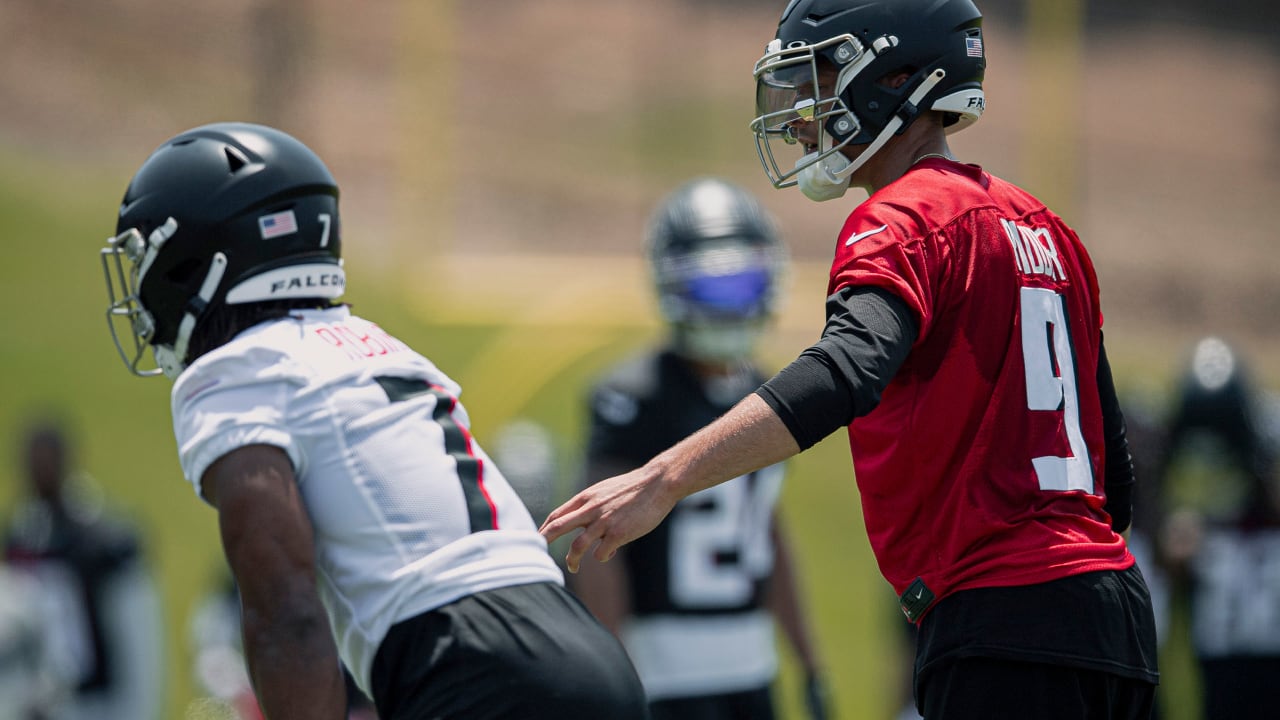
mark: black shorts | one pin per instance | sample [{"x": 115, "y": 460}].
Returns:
[
  {"x": 1060, "y": 633},
  {"x": 746, "y": 705},
  {"x": 530, "y": 652},
  {"x": 1241, "y": 686},
  {"x": 981, "y": 688}
]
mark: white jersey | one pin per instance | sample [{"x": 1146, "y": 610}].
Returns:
[{"x": 409, "y": 512}]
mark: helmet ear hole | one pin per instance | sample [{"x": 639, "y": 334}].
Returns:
[
  {"x": 235, "y": 159},
  {"x": 182, "y": 272}
]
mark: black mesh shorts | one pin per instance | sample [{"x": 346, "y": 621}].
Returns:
[
  {"x": 531, "y": 652},
  {"x": 981, "y": 688}
]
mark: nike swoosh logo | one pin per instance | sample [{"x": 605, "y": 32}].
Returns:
[{"x": 861, "y": 235}]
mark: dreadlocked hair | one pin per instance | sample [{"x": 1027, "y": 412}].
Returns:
[{"x": 224, "y": 322}]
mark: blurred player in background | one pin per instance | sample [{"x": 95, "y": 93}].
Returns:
[
  {"x": 360, "y": 518},
  {"x": 963, "y": 350},
  {"x": 30, "y": 686},
  {"x": 695, "y": 601},
  {"x": 100, "y": 611},
  {"x": 217, "y": 652},
  {"x": 1222, "y": 538}
]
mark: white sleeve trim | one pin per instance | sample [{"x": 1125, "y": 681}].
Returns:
[{"x": 201, "y": 457}]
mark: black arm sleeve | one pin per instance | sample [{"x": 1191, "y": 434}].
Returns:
[
  {"x": 1119, "y": 464},
  {"x": 868, "y": 335}
]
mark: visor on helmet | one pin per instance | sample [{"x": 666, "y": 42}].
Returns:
[{"x": 729, "y": 282}]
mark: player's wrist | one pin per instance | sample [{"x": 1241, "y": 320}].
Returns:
[{"x": 665, "y": 479}]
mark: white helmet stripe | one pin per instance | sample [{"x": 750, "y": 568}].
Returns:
[{"x": 305, "y": 280}]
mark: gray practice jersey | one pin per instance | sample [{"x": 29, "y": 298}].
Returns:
[{"x": 409, "y": 512}]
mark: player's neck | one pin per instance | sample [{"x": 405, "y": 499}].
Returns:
[{"x": 922, "y": 141}]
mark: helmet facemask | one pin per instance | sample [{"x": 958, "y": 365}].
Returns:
[
  {"x": 126, "y": 318},
  {"x": 801, "y": 96},
  {"x": 790, "y": 87},
  {"x": 125, "y": 262}
]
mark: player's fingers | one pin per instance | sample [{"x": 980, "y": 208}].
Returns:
[
  {"x": 606, "y": 549},
  {"x": 579, "y": 547},
  {"x": 559, "y": 524},
  {"x": 559, "y": 521}
]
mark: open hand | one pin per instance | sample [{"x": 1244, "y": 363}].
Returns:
[{"x": 611, "y": 513}]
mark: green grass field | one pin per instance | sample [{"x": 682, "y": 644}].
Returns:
[{"x": 56, "y": 355}]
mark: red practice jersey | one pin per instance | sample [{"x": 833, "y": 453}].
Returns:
[{"x": 983, "y": 464}]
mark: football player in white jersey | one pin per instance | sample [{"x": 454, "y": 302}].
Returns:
[{"x": 361, "y": 519}]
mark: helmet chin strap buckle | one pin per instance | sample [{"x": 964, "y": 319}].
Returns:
[
  {"x": 883, "y": 43},
  {"x": 908, "y": 111}
]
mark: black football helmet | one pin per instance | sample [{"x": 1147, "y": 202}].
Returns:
[
  {"x": 856, "y": 43},
  {"x": 222, "y": 214},
  {"x": 717, "y": 263},
  {"x": 1218, "y": 457}
]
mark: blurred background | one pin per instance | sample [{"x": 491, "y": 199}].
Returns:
[{"x": 498, "y": 161}]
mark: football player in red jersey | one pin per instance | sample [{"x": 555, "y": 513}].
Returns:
[{"x": 963, "y": 351}]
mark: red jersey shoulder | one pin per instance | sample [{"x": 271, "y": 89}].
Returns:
[
  {"x": 888, "y": 230},
  {"x": 918, "y": 203}
]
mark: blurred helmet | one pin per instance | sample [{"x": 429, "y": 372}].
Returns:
[
  {"x": 1217, "y": 456},
  {"x": 1217, "y": 394},
  {"x": 223, "y": 214},
  {"x": 853, "y": 44},
  {"x": 717, "y": 263}
]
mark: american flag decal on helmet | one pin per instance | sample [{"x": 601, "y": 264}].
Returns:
[
  {"x": 277, "y": 224},
  {"x": 973, "y": 46}
]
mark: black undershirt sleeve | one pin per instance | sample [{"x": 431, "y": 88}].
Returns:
[
  {"x": 868, "y": 335},
  {"x": 1119, "y": 464}
]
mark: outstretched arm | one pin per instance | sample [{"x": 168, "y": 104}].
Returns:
[
  {"x": 868, "y": 335},
  {"x": 268, "y": 541},
  {"x": 620, "y": 509}
]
